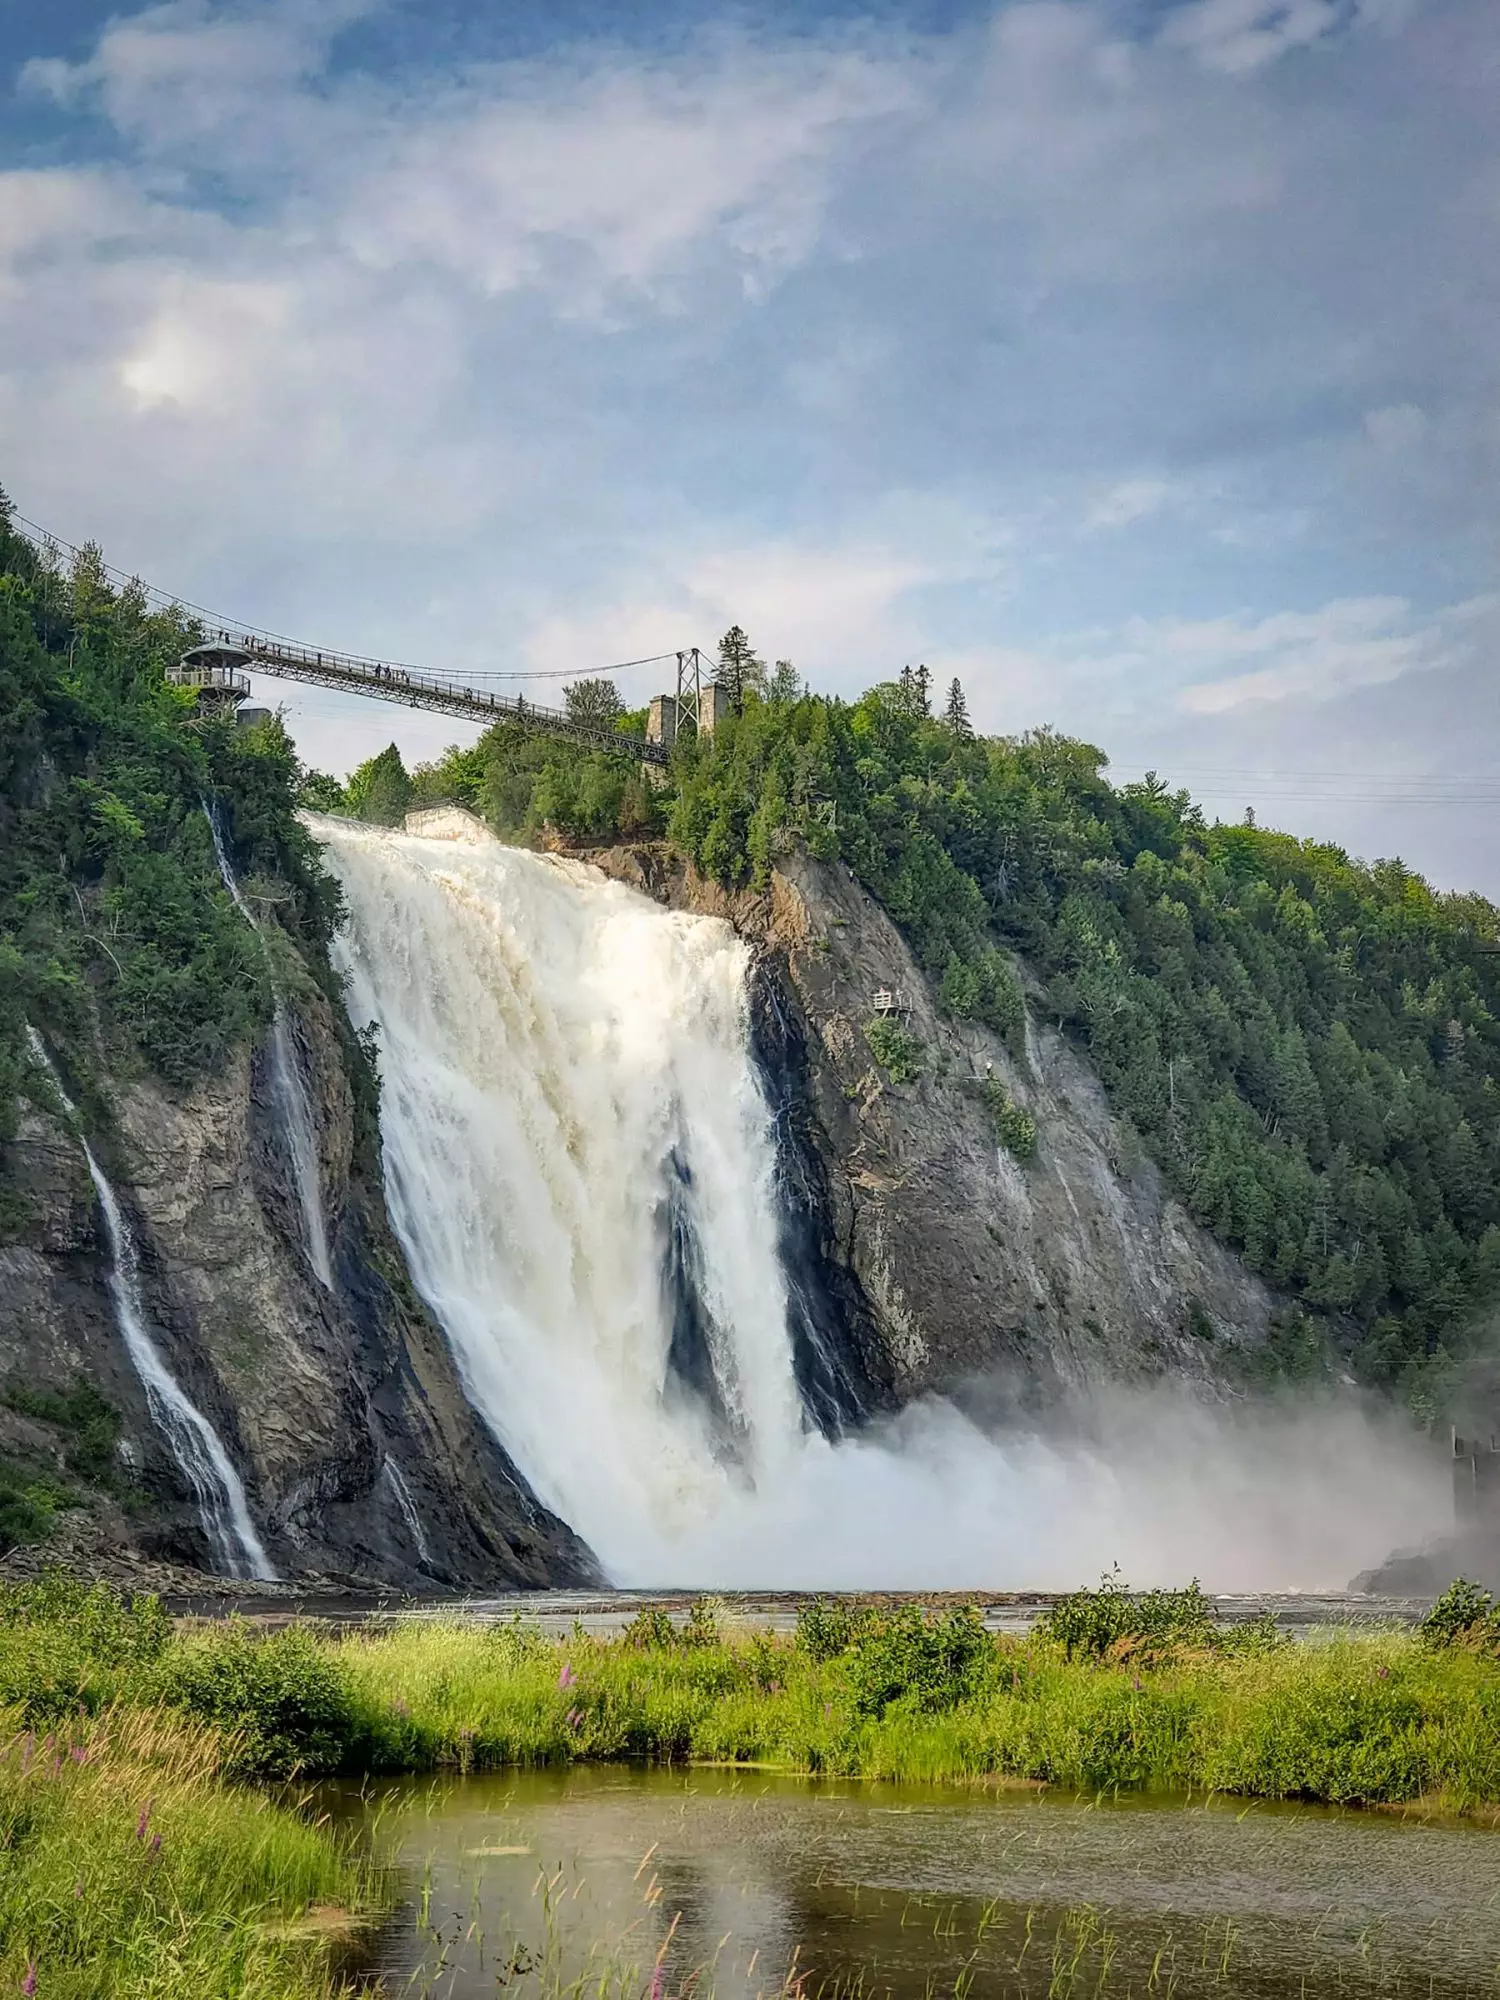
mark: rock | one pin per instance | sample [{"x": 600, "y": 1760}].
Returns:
[
  {"x": 312, "y": 1391},
  {"x": 960, "y": 1266}
]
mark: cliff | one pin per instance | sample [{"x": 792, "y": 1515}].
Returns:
[
  {"x": 343, "y": 1410},
  {"x": 953, "y": 1265}
]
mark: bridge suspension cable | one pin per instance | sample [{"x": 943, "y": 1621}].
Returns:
[{"x": 235, "y": 647}]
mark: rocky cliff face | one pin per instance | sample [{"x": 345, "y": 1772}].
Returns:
[
  {"x": 361, "y": 1457},
  {"x": 951, "y": 1264}
]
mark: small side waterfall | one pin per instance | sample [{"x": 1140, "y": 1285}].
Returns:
[
  {"x": 395, "y": 1478},
  {"x": 190, "y": 1437},
  {"x": 288, "y": 1088}
]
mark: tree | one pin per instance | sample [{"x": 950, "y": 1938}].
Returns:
[
  {"x": 956, "y": 715},
  {"x": 784, "y": 686},
  {"x": 318, "y": 792},
  {"x": 739, "y": 672},
  {"x": 594, "y": 703},
  {"x": 380, "y": 790},
  {"x": 916, "y": 690}
]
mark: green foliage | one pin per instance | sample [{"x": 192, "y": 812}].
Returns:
[
  {"x": 282, "y": 1695},
  {"x": 1308, "y": 1045},
  {"x": 66, "y": 1644},
  {"x": 89, "y": 1422},
  {"x": 1014, "y": 1127},
  {"x": 654, "y": 1630},
  {"x": 117, "y": 938},
  {"x": 1093, "y": 1623},
  {"x": 134, "y": 1872},
  {"x": 927, "y": 1662},
  {"x": 899, "y": 1052},
  {"x": 29, "y": 1504},
  {"x": 1465, "y": 1615},
  {"x": 826, "y": 1629},
  {"x": 380, "y": 789}
]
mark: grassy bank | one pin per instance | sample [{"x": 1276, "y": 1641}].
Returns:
[
  {"x": 136, "y": 1863},
  {"x": 1110, "y": 1692}
]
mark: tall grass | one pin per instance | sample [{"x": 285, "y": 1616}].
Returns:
[{"x": 133, "y": 1869}]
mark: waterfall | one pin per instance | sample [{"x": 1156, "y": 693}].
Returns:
[
  {"x": 395, "y": 1478},
  {"x": 580, "y": 1167},
  {"x": 580, "y": 1170},
  {"x": 192, "y": 1440},
  {"x": 288, "y": 1089}
]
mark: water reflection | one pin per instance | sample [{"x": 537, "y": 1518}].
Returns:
[{"x": 743, "y": 1885}]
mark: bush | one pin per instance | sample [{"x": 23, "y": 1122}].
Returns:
[
  {"x": 1015, "y": 1128},
  {"x": 66, "y": 1644},
  {"x": 824, "y": 1630},
  {"x": 1465, "y": 1615},
  {"x": 284, "y": 1696},
  {"x": 1111, "y": 1621},
  {"x": 898, "y": 1051},
  {"x": 652, "y": 1629},
  {"x": 925, "y": 1663}
]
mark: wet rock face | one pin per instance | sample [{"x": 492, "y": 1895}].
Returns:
[
  {"x": 315, "y": 1393},
  {"x": 942, "y": 1261}
]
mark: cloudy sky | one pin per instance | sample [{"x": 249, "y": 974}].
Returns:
[{"x": 1135, "y": 360}]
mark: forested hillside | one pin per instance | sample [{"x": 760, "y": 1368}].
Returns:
[
  {"x": 1307, "y": 1044},
  {"x": 116, "y": 935}
]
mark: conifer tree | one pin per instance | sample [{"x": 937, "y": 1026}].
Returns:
[
  {"x": 739, "y": 672},
  {"x": 956, "y": 715}
]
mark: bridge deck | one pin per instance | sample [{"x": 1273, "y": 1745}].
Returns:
[{"x": 415, "y": 689}]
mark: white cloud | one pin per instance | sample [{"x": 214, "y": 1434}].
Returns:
[
  {"x": 1130, "y": 501},
  {"x": 887, "y": 344},
  {"x": 1313, "y": 656},
  {"x": 1240, "y": 36}
]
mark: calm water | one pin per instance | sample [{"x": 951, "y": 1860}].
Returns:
[{"x": 542, "y": 1884}]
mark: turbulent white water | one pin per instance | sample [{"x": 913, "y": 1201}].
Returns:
[
  {"x": 288, "y": 1088},
  {"x": 192, "y": 1440},
  {"x": 569, "y": 1112}
]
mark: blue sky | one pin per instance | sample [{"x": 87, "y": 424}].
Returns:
[{"x": 1134, "y": 362}]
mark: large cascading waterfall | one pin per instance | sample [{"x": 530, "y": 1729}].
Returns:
[
  {"x": 288, "y": 1088},
  {"x": 192, "y": 1440},
  {"x": 580, "y": 1166},
  {"x": 579, "y": 1169}
]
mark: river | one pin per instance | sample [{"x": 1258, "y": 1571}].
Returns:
[{"x": 559, "y": 1883}]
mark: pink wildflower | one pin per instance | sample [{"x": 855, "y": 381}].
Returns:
[
  {"x": 155, "y": 1847},
  {"x": 566, "y": 1678},
  {"x": 28, "y": 1984},
  {"x": 144, "y": 1821},
  {"x": 658, "y": 1983}
]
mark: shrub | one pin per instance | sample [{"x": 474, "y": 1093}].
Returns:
[
  {"x": 824, "y": 1630},
  {"x": 1111, "y": 1620},
  {"x": 1015, "y": 1128},
  {"x": 898, "y": 1051},
  {"x": 284, "y": 1696},
  {"x": 652, "y": 1629},
  {"x": 1465, "y": 1615},
  {"x": 66, "y": 1644},
  {"x": 926, "y": 1663}
]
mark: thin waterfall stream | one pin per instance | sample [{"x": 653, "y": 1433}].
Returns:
[
  {"x": 288, "y": 1086},
  {"x": 192, "y": 1440}
]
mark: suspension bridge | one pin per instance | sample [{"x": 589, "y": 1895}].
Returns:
[{"x": 217, "y": 670}]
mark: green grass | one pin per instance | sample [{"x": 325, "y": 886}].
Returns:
[
  {"x": 134, "y": 1870},
  {"x": 119, "y": 1729}
]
